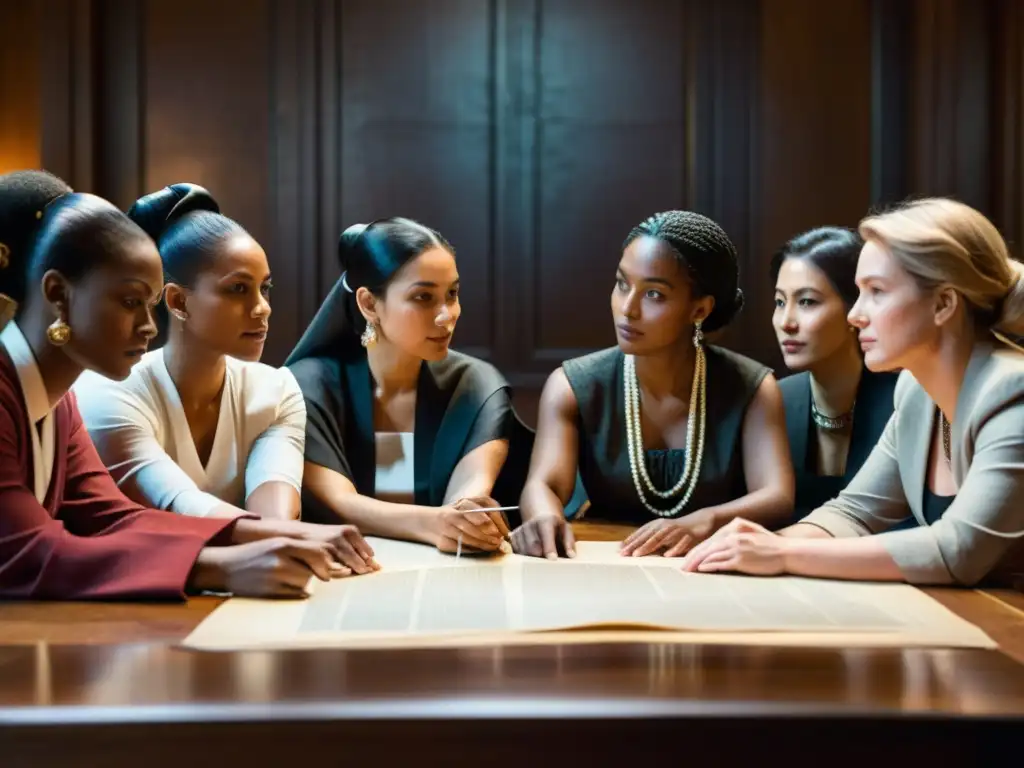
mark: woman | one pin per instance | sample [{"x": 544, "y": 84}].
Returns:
[
  {"x": 404, "y": 438},
  {"x": 661, "y": 426},
  {"x": 200, "y": 427},
  {"x": 84, "y": 277},
  {"x": 935, "y": 281},
  {"x": 835, "y": 409}
]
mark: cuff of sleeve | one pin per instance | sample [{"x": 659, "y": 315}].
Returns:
[
  {"x": 837, "y": 524},
  {"x": 194, "y": 504},
  {"x": 917, "y": 555}
]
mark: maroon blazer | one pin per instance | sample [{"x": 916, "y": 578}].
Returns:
[{"x": 88, "y": 541}]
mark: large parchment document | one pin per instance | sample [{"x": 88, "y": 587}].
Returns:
[{"x": 422, "y": 598}]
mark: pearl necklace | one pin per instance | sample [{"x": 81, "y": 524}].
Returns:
[{"x": 694, "y": 428}]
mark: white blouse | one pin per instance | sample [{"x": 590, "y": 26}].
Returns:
[
  {"x": 395, "y": 478},
  {"x": 37, "y": 406},
  {"x": 142, "y": 435}
]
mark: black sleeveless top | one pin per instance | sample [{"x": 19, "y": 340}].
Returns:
[{"x": 597, "y": 381}]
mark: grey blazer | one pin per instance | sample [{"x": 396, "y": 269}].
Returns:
[{"x": 982, "y": 531}]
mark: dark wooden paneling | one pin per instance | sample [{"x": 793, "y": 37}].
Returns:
[
  {"x": 609, "y": 150},
  {"x": 815, "y": 133},
  {"x": 19, "y": 86},
  {"x": 533, "y": 133},
  {"x": 416, "y": 132}
]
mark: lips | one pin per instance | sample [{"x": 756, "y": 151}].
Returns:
[
  {"x": 628, "y": 332},
  {"x": 257, "y": 335},
  {"x": 135, "y": 353},
  {"x": 441, "y": 339},
  {"x": 793, "y": 346}
]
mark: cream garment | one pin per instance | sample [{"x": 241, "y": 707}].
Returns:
[
  {"x": 140, "y": 431},
  {"x": 37, "y": 404},
  {"x": 395, "y": 479}
]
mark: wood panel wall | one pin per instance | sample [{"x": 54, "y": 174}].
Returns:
[{"x": 533, "y": 133}]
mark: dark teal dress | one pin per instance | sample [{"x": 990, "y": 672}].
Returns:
[{"x": 598, "y": 384}]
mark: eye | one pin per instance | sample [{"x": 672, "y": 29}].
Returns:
[
  {"x": 131, "y": 303},
  {"x": 779, "y": 303},
  {"x": 653, "y": 294},
  {"x": 239, "y": 288},
  {"x": 453, "y": 294},
  {"x": 423, "y": 297},
  {"x": 621, "y": 284},
  {"x": 808, "y": 303},
  {"x": 266, "y": 288}
]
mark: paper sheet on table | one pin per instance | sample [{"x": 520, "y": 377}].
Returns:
[{"x": 423, "y": 598}]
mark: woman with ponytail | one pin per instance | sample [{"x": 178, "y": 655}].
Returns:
[
  {"x": 201, "y": 427},
  {"x": 405, "y": 438},
  {"x": 84, "y": 279},
  {"x": 939, "y": 293}
]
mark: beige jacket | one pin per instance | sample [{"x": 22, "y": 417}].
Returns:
[{"x": 982, "y": 531}]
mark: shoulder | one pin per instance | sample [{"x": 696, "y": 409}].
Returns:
[
  {"x": 465, "y": 372},
  {"x": 598, "y": 366},
  {"x": 255, "y": 377},
  {"x": 996, "y": 384},
  {"x": 12, "y": 406},
  {"x": 749, "y": 372},
  {"x": 315, "y": 375},
  {"x": 794, "y": 385},
  {"x": 99, "y": 397}
]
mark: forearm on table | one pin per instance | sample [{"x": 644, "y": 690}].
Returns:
[
  {"x": 768, "y": 507},
  {"x": 374, "y": 517},
  {"x": 539, "y": 500},
  {"x": 863, "y": 558}
]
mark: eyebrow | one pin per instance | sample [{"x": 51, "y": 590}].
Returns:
[
  {"x": 242, "y": 273},
  {"x": 429, "y": 284},
  {"x": 137, "y": 281},
  {"x": 650, "y": 279}
]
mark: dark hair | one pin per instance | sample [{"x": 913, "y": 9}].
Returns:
[
  {"x": 833, "y": 250},
  {"x": 24, "y": 196},
  {"x": 74, "y": 234},
  {"x": 186, "y": 223},
  {"x": 370, "y": 255},
  {"x": 708, "y": 255}
]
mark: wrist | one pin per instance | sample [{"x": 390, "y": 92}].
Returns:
[
  {"x": 793, "y": 551},
  {"x": 207, "y": 574},
  {"x": 424, "y": 523}
]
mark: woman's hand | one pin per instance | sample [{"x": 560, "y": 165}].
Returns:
[
  {"x": 673, "y": 538},
  {"x": 274, "y": 567},
  {"x": 345, "y": 542},
  {"x": 480, "y": 530},
  {"x": 542, "y": 536},
  {"x": 740, "y": 547}
]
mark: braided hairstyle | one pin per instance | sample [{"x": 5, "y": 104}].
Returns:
[{"x": 708, "y": 255}]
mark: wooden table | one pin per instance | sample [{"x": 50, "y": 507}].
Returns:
[{"x": 103, "y": 685}]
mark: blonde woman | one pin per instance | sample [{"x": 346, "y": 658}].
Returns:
[{"x": 937, "y": 287}]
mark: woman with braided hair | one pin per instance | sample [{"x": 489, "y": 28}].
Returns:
[{"x": 667, "y": 432}]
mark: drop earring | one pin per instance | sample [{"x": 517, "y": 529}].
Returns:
[
  {"x": 59, "y": 332},
  {"x": 698, "y": 334},
  {"x": 369, "y": 337}
]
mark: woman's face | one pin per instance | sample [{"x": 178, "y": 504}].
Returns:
[
  {"x": 810, "y": 316},
  {"x": 227, "y": 309},
  {"x": 653, "y": 307},
  {"x": 894, "y": 316},
  {"x": 110, "y": 310},
  {"x": 421, "y": 306}
]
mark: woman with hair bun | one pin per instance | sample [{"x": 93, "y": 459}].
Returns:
[
  {"x": 84, "y": 278},
  {"x": 201, "y": 427},
  {"x": 669, "y": 433},
  {"x": 836, "y": 409},
  {"x": 405, "y": 438},
  {"x": 938, "y": 290}
]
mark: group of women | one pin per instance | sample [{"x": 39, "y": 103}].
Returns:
[{"x": 132, "y": 473}]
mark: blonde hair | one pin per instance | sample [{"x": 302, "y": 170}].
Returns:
[{"x": 941, "y": 241}]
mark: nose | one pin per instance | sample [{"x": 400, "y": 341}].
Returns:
[
  {"x": 631, "y": 305},
  {"x": 787, "y": 319},
  {"x": 446, "y": 317},
  {"x": 262, "y": 308},
  {"x": 148, "y": 329},
  {"x": 855, "y": 316}
]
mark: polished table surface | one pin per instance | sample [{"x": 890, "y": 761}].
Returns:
[{"x": 70, "y": 673}]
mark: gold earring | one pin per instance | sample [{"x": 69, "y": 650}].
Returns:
[
  {"x": 59, "y": 332},
  {"x": 369, "y": 337},
  {"x": 5, "y": 255},
  {"x": 698, "y": 334}
]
